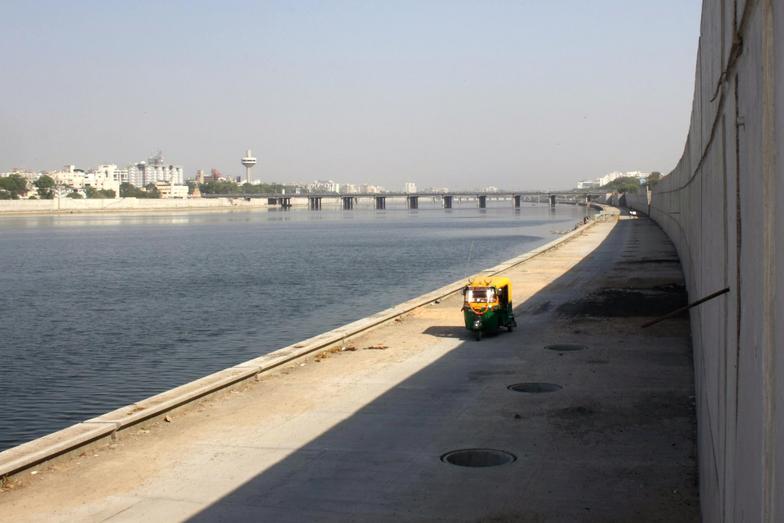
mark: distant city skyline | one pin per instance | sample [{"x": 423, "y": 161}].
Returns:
[{"x": 514, "y": 94}]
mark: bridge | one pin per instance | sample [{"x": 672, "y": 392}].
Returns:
[{"x": 347, "y": 201}]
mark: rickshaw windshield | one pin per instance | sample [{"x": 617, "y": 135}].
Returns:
[{"x": 480, "y": 295}]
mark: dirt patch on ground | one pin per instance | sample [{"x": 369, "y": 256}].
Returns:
[
  {"x": 645, "y": 410},
  {"x": 650, "y": 260},
  {"x": 541, "y": 308},
  {"x": 625, "y": 303}
]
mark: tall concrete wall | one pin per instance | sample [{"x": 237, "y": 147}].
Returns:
[
  {"x": 638, "y": 201},
  {"x": 723, "y": 207}
]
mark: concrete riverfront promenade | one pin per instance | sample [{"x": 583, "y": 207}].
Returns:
[{"x": 357, "y": 434}]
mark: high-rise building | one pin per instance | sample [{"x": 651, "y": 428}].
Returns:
[{"x": 154, "y": 170}]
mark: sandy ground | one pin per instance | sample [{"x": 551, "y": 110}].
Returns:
[{"x": 358, "y": 434}]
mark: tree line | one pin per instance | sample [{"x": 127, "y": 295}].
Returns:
[
  {"x": 14, "y": 186},
  {"x": 631, "y": 184},
  {"x": 229, "y": 187}
]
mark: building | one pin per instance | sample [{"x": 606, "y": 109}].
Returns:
[
  {"x": 409, "y": 188},
  {"x": 248, "y": 161},
  {"x": 611, "y": 177},
  {"x": 170, "y": 190},
  {"x": 70, "y": 177},
  {"x": 588, "y": 184},
  {"x": 371, "y": 189},
  {"x": 154, "y": 170},
  {"x": 103, "y": 181},
  {"x": 326, "y": 186},
  {"x": 30, "y": 176}
]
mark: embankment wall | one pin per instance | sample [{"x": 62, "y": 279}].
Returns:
[
  {"x": 69, "y": 205},
  {"x": 723, "y": 207}
]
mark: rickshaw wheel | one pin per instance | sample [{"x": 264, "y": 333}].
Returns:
[{"x": 478, "y": 335}]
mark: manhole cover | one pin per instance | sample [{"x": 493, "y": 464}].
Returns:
[
  {"x": 566, "y": 347},
  {"x": 478, "y": 457},
  {"x": 534, "y": 388}
]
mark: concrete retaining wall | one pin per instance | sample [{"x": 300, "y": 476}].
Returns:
[
  {"x": 69, "y": 205},
  {"x": 723, "y": 207},
  {"x": 638, "y": 201}
]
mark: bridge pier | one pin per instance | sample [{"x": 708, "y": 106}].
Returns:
[
  {"x": 482, "y": 201},
  {"x": 517, "y": 199},
  {"x": 315, "y": 203},
  {"x": 447, "y": 201},
  {"x": 381, "y": 203},
  {"x": 284, "y": 202},
  {"x": 413, "y": 202},
  {"x": 348, "y": 203},
  {"x": 552, "y": 200}
]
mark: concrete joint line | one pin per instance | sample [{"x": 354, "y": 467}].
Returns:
[{"x": 768, "y": 259}]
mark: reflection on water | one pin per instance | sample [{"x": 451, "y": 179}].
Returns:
[{"x": 100, "y": 311}]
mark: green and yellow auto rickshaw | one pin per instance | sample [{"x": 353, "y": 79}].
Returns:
[{"x": 487, "y": 305}]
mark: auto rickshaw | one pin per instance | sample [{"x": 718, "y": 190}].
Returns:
[{"x": 487, "y": 305}]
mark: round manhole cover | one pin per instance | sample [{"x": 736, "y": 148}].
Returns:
[
  {"x": 566, "y": 347},
  {"x": 478, "y": 457},
  {"x": 534, "y": 388}
]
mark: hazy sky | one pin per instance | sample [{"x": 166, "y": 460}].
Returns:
[{"x": 526, "y": 94}]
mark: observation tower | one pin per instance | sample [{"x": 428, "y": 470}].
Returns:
[{"x": 248, "y": 161}]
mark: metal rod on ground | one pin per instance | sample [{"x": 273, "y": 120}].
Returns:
[{"x": 687, "y": 307}]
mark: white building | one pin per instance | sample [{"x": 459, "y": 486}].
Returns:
[
  {"x": 371, "y": 189},
  {"x": 588, "y": 184},
  {"x": 611, "y": 177},
  {"x": 324, "y": 186},
  {"x": 409, "y": 188},
  {"x": 170, "y": 190},
  {"x": 154, "y": 170},
  {"x": 103, "y": 180},
  {"x": 27, "y": 175},
  {"x": 69, "y": 176}
]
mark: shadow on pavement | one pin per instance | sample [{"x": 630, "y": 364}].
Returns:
[{"x": 617, "y": 443}]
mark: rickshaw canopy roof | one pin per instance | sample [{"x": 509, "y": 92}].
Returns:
[{"x": 490, "y": 281}]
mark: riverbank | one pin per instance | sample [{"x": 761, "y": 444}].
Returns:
[
  {"x": 125, "y": 205},
  {"x": 357, "y": 432}
]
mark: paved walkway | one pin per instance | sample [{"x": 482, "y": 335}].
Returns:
[{"x": 357, "y": 435}]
